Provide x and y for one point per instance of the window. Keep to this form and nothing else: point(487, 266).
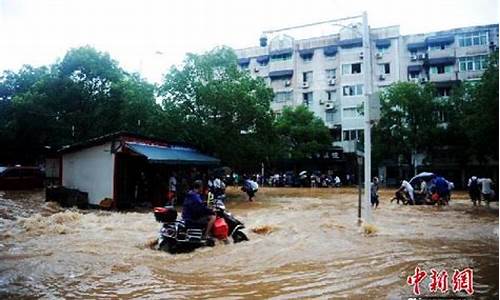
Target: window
point(413, 75)
point(351, 113)
point(444, 92)
point(385, 68)
point(307, 77)
point(307, 99)
point(330, 116)
point(438, 47)
point(441, 69)
point(331, 73)
point(472, 63)
point(353, 135)
point(348, 69)
point(284, 56)
point(330, 95)
point(473, 38)
point(353, 90)
point(441, 116)
point(383, 50)
point(282, 97)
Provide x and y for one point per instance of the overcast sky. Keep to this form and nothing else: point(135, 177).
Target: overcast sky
point(150, 36)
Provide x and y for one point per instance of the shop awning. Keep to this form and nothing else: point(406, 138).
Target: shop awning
point(414, 68)
point(383, 43)
point(440, 40)
point(442, 61)
point(416, 46)
point(281, 74)
point(172, 155)
point(351, 43)
point(330, 50)
point(243, 61)
point(306, 52)
point(263, 59)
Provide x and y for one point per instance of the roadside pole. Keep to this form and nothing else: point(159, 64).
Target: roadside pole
point(359, 160)
point(367, 59)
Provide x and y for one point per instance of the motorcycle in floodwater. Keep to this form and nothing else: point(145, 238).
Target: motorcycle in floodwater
point(178, 236)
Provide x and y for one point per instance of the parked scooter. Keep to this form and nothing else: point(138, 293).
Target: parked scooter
point(177, 236)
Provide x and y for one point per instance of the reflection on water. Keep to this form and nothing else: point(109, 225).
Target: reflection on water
point(304, 244)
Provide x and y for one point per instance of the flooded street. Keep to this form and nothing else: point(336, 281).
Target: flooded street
point(313, 249)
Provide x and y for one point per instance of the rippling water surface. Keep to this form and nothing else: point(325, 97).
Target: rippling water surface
point(314, 249)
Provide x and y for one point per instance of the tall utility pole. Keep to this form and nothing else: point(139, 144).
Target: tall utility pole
point(367, 59)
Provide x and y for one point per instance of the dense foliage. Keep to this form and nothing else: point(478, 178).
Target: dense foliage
point(466, 131)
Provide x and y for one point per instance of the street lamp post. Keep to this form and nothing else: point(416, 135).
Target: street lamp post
point(367, 59)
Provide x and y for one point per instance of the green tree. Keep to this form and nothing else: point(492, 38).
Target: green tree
point(84, 95)
point(209, 103)
point(301, 133)
point(408, 122)
point(482, 113)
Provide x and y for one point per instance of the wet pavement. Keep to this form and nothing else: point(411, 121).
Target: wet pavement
point(313, 248)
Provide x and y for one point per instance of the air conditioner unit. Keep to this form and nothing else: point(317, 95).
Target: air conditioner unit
point(305, 85)
point(329, 106)
point(421, 56)
point(288, 83)
point(423, 79)
point(379, 55)
point(256, 70)
point(321, 102)
point(381, 77)
point(332, 81)
point(413, 57)
point(361, 55)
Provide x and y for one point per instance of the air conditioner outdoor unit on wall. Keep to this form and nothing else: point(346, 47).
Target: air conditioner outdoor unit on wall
point(413, 57)
point(379, 55)
point(332, 81)
point(256, 70)
point(321, 101)
point(421, 56)
point(288, 83)
point(361, 55)
point(305, 85)
point(329, 106)
point(381, 77)
point(423, 79)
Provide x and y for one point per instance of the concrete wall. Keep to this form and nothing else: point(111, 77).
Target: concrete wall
point(90, 170)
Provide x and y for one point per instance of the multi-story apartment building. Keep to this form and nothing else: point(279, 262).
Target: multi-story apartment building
point(326, 73)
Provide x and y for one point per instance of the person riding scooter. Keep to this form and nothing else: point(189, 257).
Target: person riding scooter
point(195, 211)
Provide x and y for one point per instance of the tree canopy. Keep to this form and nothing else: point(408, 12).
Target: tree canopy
point(220, 109)
point(301, 133)
point(84, 95)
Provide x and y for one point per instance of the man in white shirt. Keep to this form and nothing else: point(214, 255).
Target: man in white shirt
point(406, 186)
point(486, 190)
point(172, 189)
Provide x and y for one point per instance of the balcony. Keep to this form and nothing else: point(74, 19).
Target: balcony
point(448, 52)
point(279, 65)
point(347, 146)
point(443, 77)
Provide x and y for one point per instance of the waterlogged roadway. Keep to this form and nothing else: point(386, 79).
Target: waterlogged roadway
point(313, 248)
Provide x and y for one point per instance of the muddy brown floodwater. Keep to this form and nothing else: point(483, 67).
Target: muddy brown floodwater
point(308, 245)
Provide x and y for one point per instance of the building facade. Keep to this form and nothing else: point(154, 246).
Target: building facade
point(326, 73)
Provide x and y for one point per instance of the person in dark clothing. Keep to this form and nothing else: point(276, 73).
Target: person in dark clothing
point(195, 210)
point(374, 192)
point(474, 190)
